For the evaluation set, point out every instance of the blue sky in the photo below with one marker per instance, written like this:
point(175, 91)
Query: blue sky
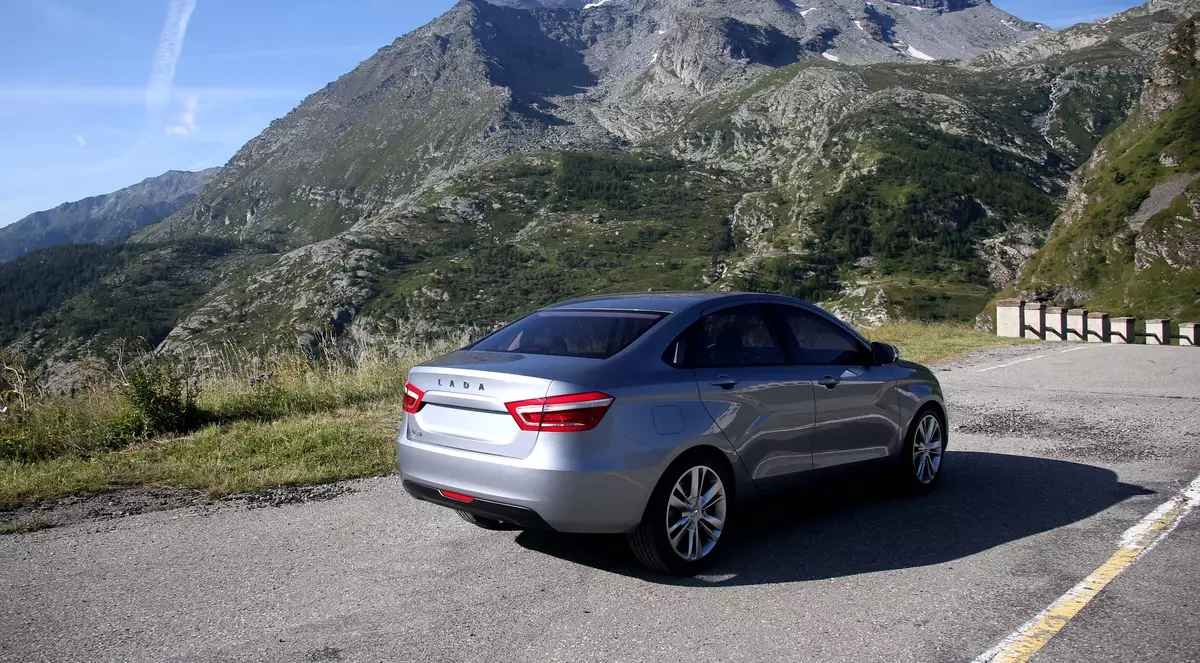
point(1063, 13)
point(95, 96)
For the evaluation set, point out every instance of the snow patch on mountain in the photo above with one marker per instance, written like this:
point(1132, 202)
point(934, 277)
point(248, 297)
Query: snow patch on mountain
point(803, 11)
point(830, 56)
point(598, 3)
point(918, 54)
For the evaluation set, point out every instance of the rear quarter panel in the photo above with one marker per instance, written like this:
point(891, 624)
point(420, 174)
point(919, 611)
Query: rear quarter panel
point(657, 416)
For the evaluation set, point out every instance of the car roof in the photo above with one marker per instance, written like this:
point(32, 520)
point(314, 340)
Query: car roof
point(668, 302)
point(678, 302)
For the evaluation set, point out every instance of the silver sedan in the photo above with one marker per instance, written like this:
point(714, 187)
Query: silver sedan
point(658, 415)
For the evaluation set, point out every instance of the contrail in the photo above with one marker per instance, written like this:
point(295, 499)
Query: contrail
point(166, 56)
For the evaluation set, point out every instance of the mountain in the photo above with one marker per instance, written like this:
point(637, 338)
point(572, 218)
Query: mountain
point(489, 80)
point(512, 154)
point(104, 218)
point(1129, 239)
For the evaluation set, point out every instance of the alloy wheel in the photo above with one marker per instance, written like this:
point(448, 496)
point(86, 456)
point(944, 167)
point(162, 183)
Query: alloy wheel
point(928, 445)
point(696, 513)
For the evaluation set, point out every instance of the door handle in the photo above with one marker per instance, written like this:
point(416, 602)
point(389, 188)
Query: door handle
point(829, 382)
point(724, 382)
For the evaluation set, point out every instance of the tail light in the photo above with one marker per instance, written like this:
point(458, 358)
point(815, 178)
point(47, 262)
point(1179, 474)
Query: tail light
point(412, 398)
point(577, 412)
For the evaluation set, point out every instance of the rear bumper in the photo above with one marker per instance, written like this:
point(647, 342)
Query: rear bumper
point(516, 515)
point(541, 491)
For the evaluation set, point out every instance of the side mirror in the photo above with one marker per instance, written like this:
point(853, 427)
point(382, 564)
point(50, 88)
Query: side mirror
point(885, 353)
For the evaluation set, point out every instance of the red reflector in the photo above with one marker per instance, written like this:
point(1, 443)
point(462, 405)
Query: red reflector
point(412, 398)
point(576, 412)
point(457, 497)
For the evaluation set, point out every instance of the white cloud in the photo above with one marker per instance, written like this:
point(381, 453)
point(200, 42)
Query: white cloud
point(187, 118)
point(166, 57)
point(80, 139)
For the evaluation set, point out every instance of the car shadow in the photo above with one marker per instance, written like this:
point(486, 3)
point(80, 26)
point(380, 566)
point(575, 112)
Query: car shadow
point(849, 526)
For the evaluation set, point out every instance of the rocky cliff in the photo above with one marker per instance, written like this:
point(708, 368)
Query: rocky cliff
point(1129, 239)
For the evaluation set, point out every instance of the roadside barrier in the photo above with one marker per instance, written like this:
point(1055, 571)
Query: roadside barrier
point(1016, 318)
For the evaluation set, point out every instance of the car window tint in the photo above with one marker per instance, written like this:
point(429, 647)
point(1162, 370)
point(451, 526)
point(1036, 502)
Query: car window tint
point(819, 341)
point(739, 336)
point(571, 333)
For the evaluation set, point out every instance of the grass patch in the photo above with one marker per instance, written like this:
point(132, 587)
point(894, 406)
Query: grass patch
point(290, 387)
point(220, 460)
point(112, 416)
point(92, 422)
point(259, 424)
point(927, 343)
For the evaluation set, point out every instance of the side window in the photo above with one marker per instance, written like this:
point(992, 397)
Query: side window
point(739, 336)
point(818, 341)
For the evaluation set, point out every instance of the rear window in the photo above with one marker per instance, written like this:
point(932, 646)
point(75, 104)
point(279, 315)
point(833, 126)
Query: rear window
point(571, 333)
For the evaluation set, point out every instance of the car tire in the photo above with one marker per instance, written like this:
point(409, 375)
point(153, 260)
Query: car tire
point(922, 459)
point(652, 543)
point(485, 522)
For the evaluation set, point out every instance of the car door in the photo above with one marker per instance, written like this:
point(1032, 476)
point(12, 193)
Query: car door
point(857, 408)
point(754, 397)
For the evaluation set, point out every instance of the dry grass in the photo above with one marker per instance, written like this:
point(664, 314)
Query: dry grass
point(929, 343)
point(289, 386)
point(262, 423)
point(50, 426)
point(223, 459)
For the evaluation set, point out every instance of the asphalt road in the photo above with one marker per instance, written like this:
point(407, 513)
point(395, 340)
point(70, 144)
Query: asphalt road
point(1054, 455)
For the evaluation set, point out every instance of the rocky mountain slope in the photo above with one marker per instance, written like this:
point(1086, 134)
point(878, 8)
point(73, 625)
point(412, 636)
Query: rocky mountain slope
point(511, 154)
point(104, 218)
point(1129, 239)
point(489, 80)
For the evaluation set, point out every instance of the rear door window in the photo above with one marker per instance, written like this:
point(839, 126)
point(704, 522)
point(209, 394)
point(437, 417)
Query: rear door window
point(739, 336)
point(814, 340)
point(572, 333)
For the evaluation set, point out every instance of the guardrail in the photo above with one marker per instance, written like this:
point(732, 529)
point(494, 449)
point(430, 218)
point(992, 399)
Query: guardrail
point(1016, 318)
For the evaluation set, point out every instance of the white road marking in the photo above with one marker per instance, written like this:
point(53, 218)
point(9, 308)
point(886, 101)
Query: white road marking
point(1082, 347)
point(1019, 361)
point(1138, 540)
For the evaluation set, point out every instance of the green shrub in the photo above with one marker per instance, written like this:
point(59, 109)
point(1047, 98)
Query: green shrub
point(163, 394)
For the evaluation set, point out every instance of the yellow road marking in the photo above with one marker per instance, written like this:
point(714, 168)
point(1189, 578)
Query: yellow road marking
point(1028, 640)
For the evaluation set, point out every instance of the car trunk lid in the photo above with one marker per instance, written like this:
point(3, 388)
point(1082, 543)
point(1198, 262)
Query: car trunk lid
point(465, 393)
